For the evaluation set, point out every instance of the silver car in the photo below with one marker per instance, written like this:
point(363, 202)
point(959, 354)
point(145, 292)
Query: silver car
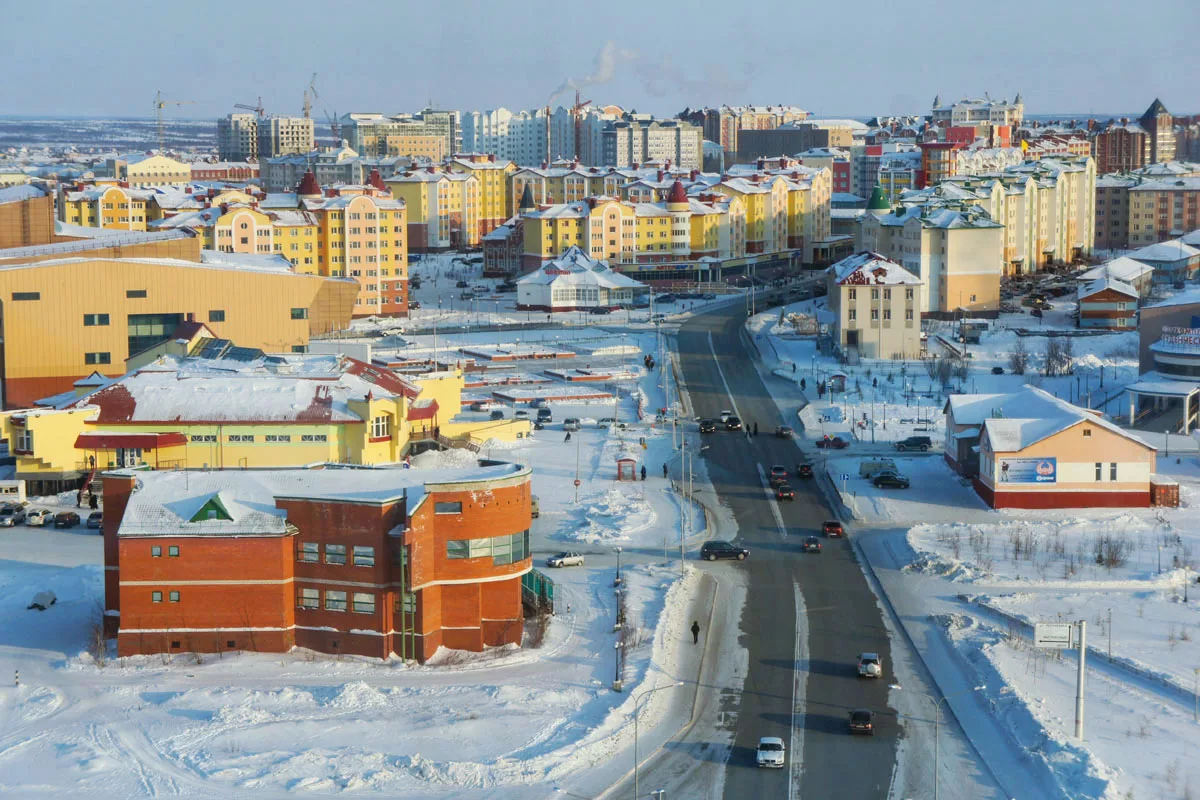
point(11, 515)
point(565, 560)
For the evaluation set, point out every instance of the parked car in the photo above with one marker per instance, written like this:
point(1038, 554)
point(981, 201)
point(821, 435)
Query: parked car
point(784, 492)
point(997, 370)
point(413, 305)
point(665, 298)
point(862, 722)
point(565, 560)
point(833, 528)
point(778, 475)
point(870, 467)
point(42, 600)
point(496, 414)
point(604, 423)
point(869, 665)
point(599, 310)
point(733, 424)
point(39, 517)
point(783, 432)
point(708, 426)
point(11, 514)
point(95, 520)
point(538, 425)
point(545, 415)
point(461, 285)
point(66, 519)
point(480, 289)
point(770, 752)
point(890, 480)
point(478, 405)
point(804, 471)
point(711, 551)
point(571, 424)
point(812, 545)
point(521, 414)
point(833, 443)
point(921, 443)
point(466, 296)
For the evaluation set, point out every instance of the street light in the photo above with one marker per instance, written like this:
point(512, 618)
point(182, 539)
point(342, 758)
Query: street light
point(937, 726)
point(617, 582)
point(637, 706)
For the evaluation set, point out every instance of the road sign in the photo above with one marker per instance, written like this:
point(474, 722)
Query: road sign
point(845, 476)
point(577, 481)
point(1052, 635)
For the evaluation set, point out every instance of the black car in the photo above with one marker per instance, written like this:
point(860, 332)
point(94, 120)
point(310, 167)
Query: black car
point(414, 304)
point(890, 480)
point(506, 288)
point(812, 545)
point(804, 471)
point(461, 285)
point(599, 310)
point(784, 492)
point(467, 296)
point(665, 298)
point(66, 519)
point(715, 549)
point(914, 443)
point(733, 424)
point(708, 426)
point(784, 432)
point(862, 722)
point(95, 519)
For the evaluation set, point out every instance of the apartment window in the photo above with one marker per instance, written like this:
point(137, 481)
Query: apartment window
point(308, 552)
point(335, 601)
point(1112, 471)
point(448, 507)
point(308, 598)
point(173, 551)
point(364, 603)
point(156, 597)
point(93, 320)
point(908, 315)
point(887, 313)
point(216, 315)
point(972, 298)
point(874, 294)
point(299, 313)
point(852, 315)
point(155, 551)
point(887, 294)
point(173, 597)
point(134, 294)
point(278, 438)
point(335, 554)
point(874, 314)
point(381, 427)
point(97, 358)
point(1099, 471)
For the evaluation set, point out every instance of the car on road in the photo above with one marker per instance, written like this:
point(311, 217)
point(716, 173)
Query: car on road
point(997, 370)
point(708, 426)
point(784, 492)
point(921, 443)
point(413, 305)
point(733, 424)
point(890, 480)
point(520, 414)
point(66, 519)
point(783, 432)
point(571, 424)
point(862, 721)
point(832, 443)
point(565, 560)
point(812, 545)
point(833, 528)
point(778, 475)
point(665, 298)
point(95, 520)
point(711, 551)
point(804, 470)
point(599, 310)
point(870, 467)
point(496, 415)
point(466, 296)
point(724, 415)
point(869, 665)
point(770, 752)
point(40, 517)
point(545, 415)
point(11, 514)
point(604, 423)
point(461, 285)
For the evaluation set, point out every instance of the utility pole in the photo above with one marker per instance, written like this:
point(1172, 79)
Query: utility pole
point(1110, 635)
point(1079, 679)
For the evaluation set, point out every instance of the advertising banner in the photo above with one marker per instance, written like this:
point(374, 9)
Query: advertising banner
point(1028, 470)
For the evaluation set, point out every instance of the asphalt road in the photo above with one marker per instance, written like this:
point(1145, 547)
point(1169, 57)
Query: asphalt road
point(840, 611)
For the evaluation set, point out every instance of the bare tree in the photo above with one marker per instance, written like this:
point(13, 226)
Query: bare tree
point(931, 367)
point(1018, 359)
point(962, 368)
point(1067, 355)
point(944, 370)
point(1053, 365)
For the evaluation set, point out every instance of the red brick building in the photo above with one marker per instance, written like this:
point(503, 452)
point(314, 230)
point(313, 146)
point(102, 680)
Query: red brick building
point(371, 562)
point(232, 171)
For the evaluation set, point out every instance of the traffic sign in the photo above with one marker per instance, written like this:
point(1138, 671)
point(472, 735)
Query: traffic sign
point(845, 476)
point(1052, 635)
point(577, 481)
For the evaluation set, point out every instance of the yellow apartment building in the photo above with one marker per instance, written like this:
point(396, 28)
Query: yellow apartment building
point(141, 171)
point(493, 185)
point(442, 206)
point(112, 207)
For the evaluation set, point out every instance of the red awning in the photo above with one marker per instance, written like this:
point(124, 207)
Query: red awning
point(423, 410)
point(109, 440)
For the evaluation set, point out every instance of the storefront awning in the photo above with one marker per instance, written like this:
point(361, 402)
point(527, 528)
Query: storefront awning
point(111, 440)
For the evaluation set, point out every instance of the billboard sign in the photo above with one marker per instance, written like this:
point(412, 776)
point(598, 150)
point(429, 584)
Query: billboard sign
point(1029, 470)
point(1188, 338)
point(1052, 635)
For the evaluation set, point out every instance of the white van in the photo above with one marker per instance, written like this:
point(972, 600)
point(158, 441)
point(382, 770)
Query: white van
point(870, 467)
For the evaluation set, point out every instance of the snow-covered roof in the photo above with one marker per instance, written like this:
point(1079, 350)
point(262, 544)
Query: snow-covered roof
point(1184, 298)
point(1122, 269)
point(577, 268)
point(871, 268)
point(1015, 421)
point(82, 246)
point(296, 388)
point(244, 503)
point(1103, 283)
point(17, 194)
point(1174, 250)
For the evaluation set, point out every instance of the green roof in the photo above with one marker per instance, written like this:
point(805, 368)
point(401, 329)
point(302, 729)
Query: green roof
point(878, 201)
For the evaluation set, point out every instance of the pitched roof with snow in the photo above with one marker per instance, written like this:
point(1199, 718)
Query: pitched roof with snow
point(871, 268)
point(1165, 252)
point(1102, 284)
point(577, 268)
point(1122, 269)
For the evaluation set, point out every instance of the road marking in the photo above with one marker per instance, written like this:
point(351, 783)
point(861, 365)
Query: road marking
point(796, 745)
point(721, 372)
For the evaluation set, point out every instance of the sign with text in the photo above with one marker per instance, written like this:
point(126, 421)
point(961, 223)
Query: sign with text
point(1053, 635)
point(1029, 470)
point(1187, 337)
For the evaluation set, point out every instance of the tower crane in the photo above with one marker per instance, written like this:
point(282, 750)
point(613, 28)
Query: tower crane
point(160, 103)
point(258, 109)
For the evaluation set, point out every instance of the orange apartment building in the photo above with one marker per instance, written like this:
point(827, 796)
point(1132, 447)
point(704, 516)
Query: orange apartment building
point(369, 562)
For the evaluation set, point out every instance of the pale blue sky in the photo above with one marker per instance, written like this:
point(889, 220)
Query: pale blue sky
point(840, 58)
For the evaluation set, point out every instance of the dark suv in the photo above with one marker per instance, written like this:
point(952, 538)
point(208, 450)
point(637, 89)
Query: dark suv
point(733, 424)
point(914, 443)
point(715, 549)
point(708, 426)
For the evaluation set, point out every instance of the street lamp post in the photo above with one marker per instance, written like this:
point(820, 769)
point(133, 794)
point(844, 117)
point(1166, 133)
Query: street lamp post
point(618, 684)
point(937, 725)
point(637, 706)
point(617, 582)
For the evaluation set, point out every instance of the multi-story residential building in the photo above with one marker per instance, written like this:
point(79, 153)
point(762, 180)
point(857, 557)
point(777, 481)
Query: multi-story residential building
point(26, 217)
point(1107, 303)
point(284, 136)
point(1121, 146)
point(378, 135)
point(723, 125)
point(141, 170)
point(370, 562)
point(492, 175)
point(877, 307)
point(106, 206)
point(796, 137)
point(634, 141)
point(237, 137)
point(331, 166)
point(1160, 127)
point(977, 111)
point(443, 207)
point(1163, 209)
point(224, 171)
point(1113, 211)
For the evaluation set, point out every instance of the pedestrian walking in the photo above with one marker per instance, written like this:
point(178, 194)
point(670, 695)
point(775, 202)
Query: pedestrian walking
point(93, 501)
point(79, 499)
point(643, 472)
point(803, 386)
point(756, 429)
point(568, 438)
point(665, 470)
point(695, 632)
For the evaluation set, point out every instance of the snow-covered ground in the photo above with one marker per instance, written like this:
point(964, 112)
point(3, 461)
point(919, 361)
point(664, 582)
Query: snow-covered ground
point(496, 725)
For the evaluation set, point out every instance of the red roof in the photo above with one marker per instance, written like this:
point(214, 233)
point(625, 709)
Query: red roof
point(109, 440)
point(423, 409)
point(383, 378)
point(308, 184)
point(677, 194)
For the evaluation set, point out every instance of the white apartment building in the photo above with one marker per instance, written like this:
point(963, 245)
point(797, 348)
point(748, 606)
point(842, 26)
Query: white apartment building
point(977, 111)
point(285, 136)
point(631, 141)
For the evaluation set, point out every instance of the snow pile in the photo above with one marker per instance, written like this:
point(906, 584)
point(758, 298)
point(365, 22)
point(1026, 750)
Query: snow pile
point(615, 517)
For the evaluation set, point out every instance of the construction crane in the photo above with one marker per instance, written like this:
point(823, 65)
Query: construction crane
point(160, 103)
point(310, 94)
point(258, 109)
point(335, 127)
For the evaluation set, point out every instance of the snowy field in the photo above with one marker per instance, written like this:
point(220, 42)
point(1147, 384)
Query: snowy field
point(495, 725)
